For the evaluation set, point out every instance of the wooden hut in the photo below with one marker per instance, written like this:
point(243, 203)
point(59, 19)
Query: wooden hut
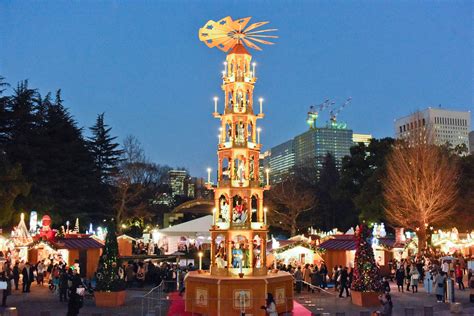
point(85, 251)
point(340, 250)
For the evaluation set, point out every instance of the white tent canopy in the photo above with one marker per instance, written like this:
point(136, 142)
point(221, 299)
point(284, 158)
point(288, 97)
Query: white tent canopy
point(196, 227)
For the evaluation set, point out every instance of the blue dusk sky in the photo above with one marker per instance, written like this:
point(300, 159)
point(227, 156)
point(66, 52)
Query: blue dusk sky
point(142, 64)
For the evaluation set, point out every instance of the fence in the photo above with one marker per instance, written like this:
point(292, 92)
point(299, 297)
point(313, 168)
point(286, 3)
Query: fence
point(154, 299)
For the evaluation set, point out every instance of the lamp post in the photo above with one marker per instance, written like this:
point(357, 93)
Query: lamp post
point(267, 171)
point(261, 104)
point(200, 254)
point(215, 104)
point(209, 175)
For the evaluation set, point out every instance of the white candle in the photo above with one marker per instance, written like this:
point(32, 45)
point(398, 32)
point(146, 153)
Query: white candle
point(265, 215)
point(268, 177)
point(275, 263)
point(209, 175)
point(200, 261)
point(214, 216)
point(261, 105)
point(240, 264)
point(254, 64)
point(258, 135)
point(225, 68)
point(215, 104)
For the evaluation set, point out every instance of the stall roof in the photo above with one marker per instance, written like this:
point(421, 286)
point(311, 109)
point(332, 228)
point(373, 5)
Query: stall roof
point(348, 242)
point(198, 225)
point(77, 243)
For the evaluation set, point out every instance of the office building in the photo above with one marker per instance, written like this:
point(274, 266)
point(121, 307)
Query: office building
point(310, 146)
point(177, 181)
point(443, 126)
point(471, 142)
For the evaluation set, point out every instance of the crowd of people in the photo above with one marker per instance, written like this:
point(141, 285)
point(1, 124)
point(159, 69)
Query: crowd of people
point(140, 273)
point(433, 271)
point(61, 279)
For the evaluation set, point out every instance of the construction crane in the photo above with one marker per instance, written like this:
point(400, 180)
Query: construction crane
point(314, 111)
point(334, 113)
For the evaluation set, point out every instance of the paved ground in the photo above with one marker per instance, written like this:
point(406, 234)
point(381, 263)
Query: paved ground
point(41, 299)
point(331, 303)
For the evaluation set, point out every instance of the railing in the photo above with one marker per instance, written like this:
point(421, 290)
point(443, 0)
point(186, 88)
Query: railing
point(153, 299)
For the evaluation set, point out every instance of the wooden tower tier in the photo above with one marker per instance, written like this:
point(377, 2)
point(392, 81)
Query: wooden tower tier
point(239, 231)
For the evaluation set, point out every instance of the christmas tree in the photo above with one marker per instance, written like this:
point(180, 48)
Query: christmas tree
point(366, 276)
point(108, 278)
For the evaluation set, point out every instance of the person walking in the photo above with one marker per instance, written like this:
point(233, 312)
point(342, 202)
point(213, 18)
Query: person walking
point(16, 275)
point(459, 273)
point(414, 278)
point(6, 276)
point(299, 279)
point(323, 270)
point(343, 279)
point(270, 306)
point(63, 285)
point(440, 282)
point(400, 277)
point(307, 276)
point(387, 305)
point(315, 278)
point(76, 300)
point(28, 277)
point(428, 282)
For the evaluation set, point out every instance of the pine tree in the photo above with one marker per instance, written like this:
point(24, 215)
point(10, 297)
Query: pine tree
point(104, 149)
point(366, 276)
point(108, 270)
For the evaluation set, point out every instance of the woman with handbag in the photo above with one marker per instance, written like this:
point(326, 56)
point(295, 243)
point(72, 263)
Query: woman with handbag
point(414, 278)
point(439, 282)
point(6, 276)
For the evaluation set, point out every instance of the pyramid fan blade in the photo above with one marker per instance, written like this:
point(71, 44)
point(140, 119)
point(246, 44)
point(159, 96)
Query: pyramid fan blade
point(250, 44)
point(243, 22)
point(259, 40)
point(254, 26)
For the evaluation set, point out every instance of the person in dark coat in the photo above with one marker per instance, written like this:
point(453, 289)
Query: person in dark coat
point(16, 275)
point(324, 273)
point(28, 277)
point(315, 278)
point(63, 284)
point(400, 277)
point(343, 282)
point(6, 276)
point(75, 300)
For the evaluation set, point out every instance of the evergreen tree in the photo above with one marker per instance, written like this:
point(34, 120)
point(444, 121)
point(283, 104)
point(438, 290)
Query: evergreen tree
point(12, 186)
point(67, 175)
point(104, 149)
point(107, 272)
point(366, 276)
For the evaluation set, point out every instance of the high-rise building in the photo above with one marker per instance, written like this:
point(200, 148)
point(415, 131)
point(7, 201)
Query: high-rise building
point(177, 182)
point(444, 126)
point(361, 138)
point(471, 142)
point(310, 146)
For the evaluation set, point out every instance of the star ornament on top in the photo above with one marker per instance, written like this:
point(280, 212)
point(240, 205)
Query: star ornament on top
point(226, 33)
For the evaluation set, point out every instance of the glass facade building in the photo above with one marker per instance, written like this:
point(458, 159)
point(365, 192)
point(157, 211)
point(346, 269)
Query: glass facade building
point(311, 146)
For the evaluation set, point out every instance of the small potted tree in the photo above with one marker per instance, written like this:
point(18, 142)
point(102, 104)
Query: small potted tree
point(110, 289)
point(366, 282)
